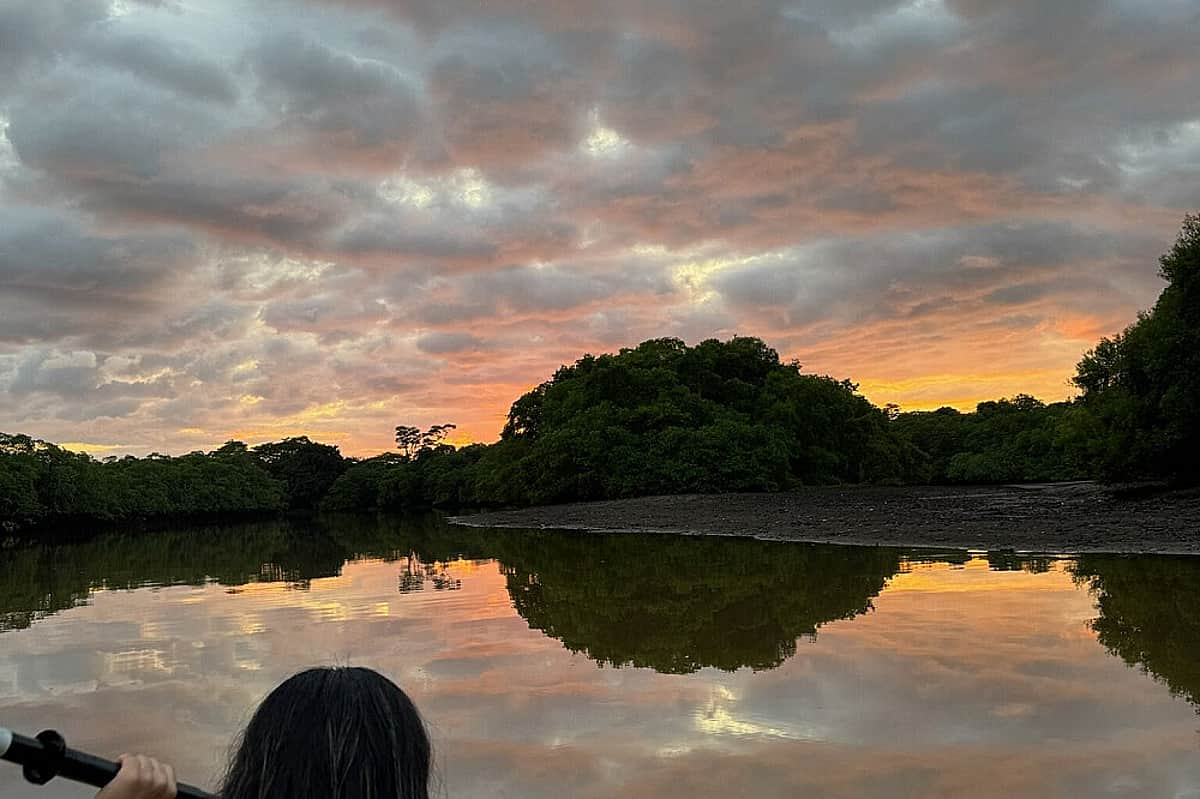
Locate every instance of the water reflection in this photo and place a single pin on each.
(39, 581)
(674, 604)
(416, 574)
(679, 604)
(671, 603)
(917, 674)
(1149, 615)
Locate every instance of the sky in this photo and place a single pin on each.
(252, 220)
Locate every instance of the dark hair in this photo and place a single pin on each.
(332, 733)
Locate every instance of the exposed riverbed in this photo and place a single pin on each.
(1073, 517)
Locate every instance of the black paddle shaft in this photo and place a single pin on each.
(47, 756)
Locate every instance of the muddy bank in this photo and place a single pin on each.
(1061, 518)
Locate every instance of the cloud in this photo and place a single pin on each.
(437, 343)
(168, 64)
(506, 113)
(114, 135)
(358, 108)
(892, 276)
(60, 280)
(33, 35)
(416, 209)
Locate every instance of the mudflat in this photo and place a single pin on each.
(1046, 518)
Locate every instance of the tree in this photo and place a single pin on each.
(1142, 386)
(1002, 441)
(1148, 615)
(408, 439)
(412, 441)
(434, 436)
(307, 468)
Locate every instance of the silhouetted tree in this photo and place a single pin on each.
(1141, 388)
(408, 439)
(306, 468)
(412, 441)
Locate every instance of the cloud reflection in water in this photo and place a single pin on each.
(773, 669)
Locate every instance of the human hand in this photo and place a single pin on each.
(140, 777)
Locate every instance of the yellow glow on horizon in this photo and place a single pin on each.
(460, 439)
(268, 432)
(965, 391)
(90, 448)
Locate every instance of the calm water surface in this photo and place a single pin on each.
(567, 665)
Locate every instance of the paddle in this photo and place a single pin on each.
(47, 756)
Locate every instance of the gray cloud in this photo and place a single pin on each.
(363, 107)
(521, 291)
(167, 64)
(507, 112)
(33, 35)
(40, 251)
(894, 276)
(437, 343)
(117, 133)
(70, 374)
(59, 280)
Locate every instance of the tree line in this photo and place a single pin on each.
(664, 417)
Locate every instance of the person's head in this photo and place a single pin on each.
(332, 733)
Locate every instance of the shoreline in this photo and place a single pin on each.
(1057, 518)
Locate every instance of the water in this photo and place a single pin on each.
(569, 665)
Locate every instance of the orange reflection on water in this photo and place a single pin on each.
(960, 680)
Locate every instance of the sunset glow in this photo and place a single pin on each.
(328, 218)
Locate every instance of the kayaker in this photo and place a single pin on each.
(325, 733)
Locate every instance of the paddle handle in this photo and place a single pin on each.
(47, 756)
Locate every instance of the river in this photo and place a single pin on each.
(581, 665)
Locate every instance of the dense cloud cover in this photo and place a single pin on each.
(255, 220)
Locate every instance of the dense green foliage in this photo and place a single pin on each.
(42, 482)
(1141, 388)
(665, 418)
(1138, 416)
(307, 469)
(1003, 441)
(721, 416)
(659, 418)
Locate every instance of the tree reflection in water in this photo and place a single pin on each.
(678, 604)
(671, 603)
(43, 580)
(1149, 614)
